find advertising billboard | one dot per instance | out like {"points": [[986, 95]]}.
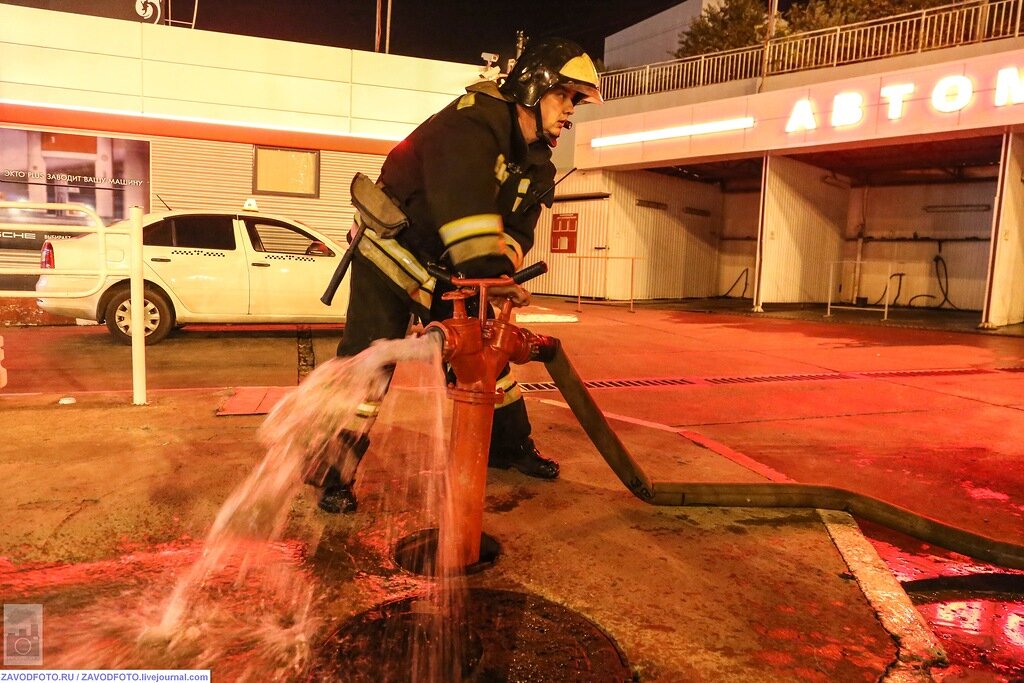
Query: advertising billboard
{"points": [[110, 175]]}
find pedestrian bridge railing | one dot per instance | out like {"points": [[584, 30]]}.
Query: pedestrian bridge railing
{"points": [[934, 28]]}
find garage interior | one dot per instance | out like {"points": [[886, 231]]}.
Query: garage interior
{"points": [[915, 222]]}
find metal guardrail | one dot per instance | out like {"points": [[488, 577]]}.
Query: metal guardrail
{"points": [[93, 224], [929, 29]]}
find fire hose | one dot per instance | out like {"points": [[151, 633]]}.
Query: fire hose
{"points": [[773, 495], [523, 346]]}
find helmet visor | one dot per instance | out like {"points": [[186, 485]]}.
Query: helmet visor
{"points": [[584, 92]]}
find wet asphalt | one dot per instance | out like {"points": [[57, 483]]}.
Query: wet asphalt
{"points": [[922, 418]]}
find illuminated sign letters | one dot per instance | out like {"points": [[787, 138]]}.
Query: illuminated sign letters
{"points": [[926, 104]]}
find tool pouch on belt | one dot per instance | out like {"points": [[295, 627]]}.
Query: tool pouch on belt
{"points": [[377, 210]]}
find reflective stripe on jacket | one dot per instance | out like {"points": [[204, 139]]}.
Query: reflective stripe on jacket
{"points": [[472, 189]]}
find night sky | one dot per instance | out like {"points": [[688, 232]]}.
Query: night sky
{"points": [[453, 30]]}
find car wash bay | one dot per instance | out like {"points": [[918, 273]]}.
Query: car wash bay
{"points": [[915, 208]]}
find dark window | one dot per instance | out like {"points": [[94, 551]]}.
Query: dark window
{"points": [[271, 236], [159, 234], [204, 232]]}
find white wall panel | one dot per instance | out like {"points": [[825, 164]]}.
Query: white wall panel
{"points": [[581, 182], [737, 246], [804, 219], [60, 68], [901, 236], [243, 53], [55, 96], [923, 278], [736, 263], [676, 246], [411, 73], [654, 39], [254, 115], [62, 59], [196, 174], [376, 103], [215, 85], [1006, 304], [941, 210], [86, 34], [568, 274]]}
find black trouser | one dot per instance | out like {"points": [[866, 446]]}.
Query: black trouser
{"points": [[376, 310]]}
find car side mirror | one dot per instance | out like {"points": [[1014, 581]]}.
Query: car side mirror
{"points": [[318, 249]]}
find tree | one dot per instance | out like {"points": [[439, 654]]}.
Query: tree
{"points": [[741, 23], [816, 14], [734, 23]]}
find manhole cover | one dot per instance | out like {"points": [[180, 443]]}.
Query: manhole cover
{"points": [[503, 636]]}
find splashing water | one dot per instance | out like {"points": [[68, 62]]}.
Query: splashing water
{"points": [[308, 422], [246, 607]]}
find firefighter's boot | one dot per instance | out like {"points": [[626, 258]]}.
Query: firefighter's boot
{"points": [[523, 457]]}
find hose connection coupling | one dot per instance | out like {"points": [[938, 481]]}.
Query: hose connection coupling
{"points": [[542, 347], [458, 337]]}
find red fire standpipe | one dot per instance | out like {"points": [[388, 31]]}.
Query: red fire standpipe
{"points": [[477, 349]]}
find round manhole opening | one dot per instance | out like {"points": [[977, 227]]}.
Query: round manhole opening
{"points": [[488, 635], [417, 553]]}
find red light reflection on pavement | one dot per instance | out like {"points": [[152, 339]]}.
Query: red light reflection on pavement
{"points": [[981, 630], [980, 634], [139, 567]]}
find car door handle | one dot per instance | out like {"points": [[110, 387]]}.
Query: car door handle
{"points": [[261, 265], [157, 259]]}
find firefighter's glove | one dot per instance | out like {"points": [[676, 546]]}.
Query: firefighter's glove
{"points": [[519, 296]]}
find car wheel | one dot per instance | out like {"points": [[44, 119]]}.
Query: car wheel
{"points": [[157, 316]]}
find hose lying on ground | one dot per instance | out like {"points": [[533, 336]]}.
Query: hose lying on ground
{"points": [[773, 495]]}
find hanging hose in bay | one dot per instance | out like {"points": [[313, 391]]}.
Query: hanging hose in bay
{"points": [[942, 277], [770, 495], [745, 275], [899, 288], [943, 286]]}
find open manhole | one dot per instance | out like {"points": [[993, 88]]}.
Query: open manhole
{"points": [[417, 553], [501, 636]]}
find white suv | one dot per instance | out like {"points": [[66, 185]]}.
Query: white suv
{"points": [[199, 267]]}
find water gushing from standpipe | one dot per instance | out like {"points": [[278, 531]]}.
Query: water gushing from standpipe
{"points": [[254, 517]]}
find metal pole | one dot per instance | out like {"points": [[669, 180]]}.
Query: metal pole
{"points": [[387, 34], [831, 281], [888, 292], [579, 283], [773, 8], [138, 328], [376, 31], [632, 267]]}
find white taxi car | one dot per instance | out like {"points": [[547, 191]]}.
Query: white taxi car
{"points": [[199, 267]]}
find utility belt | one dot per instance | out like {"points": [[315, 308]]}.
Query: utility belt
{"points": [[376, 212], [379, 220]]}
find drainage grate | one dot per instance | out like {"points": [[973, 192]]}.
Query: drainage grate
{"points": [[527, 387], [775, 378], [926, 373]]}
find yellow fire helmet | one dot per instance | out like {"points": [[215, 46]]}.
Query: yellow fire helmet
{"points": [[549, 62]]}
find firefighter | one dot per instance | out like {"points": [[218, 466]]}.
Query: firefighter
{"points": [[471, 181]]}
